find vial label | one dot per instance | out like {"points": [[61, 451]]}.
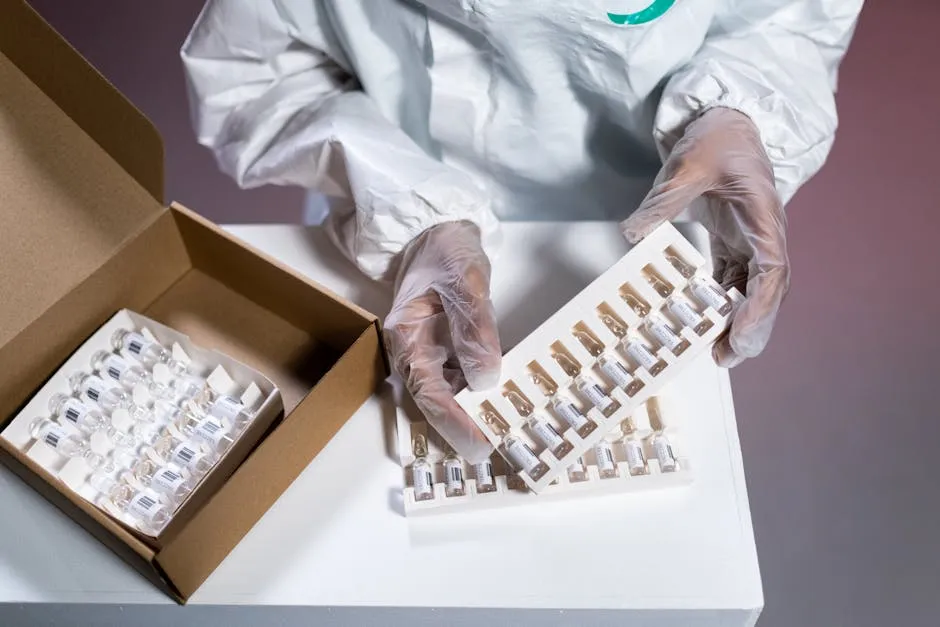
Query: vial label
{"points": [[424, 483], [226, 407], [681, 308], [74, 411], [635, 459], [595, 394], [570, 413], [185, 455], [114, 366], [484, 474], [144, 506], [522, 455], [94, 388], [136, 344], [663, 334], [209, 430], [604, 455], [167, 480], [708, 294], [616, 371], [664, 453], [52, 435], [453, 475], [641, 354], [546, 433]]}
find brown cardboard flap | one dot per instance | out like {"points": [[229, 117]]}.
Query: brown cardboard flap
{"points": [[66, 205], [83, 94]]}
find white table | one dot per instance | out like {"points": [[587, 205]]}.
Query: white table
{"points": [[336, 547]]}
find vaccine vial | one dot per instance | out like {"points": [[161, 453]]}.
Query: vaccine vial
{"points": [[662, 287], [548, 436], [682, 309], [710, 294], [107, 396], [71, 410], [172, 447], [110, 366], [453, 475], [421, 473], [568, 412], [54, 435], [170, 482], [664, 455], [639, 306], [206, 429], [577, 472], [619, 374], [524, 458], [227, 409], [642, 355], [664, 334], [483, 473], [606, 466], [591, 390], [147, 352], [633, 449], [144, 507]]}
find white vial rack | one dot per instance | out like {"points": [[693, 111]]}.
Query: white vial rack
{"points": [[623, 472], [137, 417], [601, 356]]}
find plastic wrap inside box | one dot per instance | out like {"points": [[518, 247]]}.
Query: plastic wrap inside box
{"points": [[601, 356], [225, 376], [507, 490]]}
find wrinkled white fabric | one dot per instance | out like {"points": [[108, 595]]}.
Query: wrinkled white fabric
{"points": [[413, 113]]}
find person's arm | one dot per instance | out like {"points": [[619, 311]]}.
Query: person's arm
{"points": [[272, 99], [775, 61], [744, 124]]}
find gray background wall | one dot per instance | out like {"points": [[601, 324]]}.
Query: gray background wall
{"points": [[839, 419]]}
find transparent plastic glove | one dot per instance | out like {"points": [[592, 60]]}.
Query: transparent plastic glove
{"points": [[441, 331], [721, 157]]}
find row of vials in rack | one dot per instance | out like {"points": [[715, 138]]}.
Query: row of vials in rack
{"points": [[554, 400], [147, 442], [634, 457]]}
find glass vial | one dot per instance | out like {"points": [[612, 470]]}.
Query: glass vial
{"points": [[606, 465], [54, 435], [577, 472], [483, 473], [110, 366], [683, 310], [710, 294], [147, 352], [229, 410], [662, 287], [664, 334], [209, 430], [107, 396], [664, 454], [453, 475], [643, 356], [170, 482], [633, 449], [524, 458], [589, 388], [548, 436], [619, 374], [568, 412], [144, 507], [73, 411], [172, 447], [421, 472]]}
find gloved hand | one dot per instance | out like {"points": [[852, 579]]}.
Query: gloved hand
{"points": [[441, 331], [721, 157]]}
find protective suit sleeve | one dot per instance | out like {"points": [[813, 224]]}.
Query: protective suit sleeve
{"points": [[273, 104], [775, 61]]}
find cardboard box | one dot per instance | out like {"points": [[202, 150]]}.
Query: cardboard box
{"points": [[86, 234]]}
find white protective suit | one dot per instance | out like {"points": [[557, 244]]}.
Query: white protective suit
{"points": [[410, 113]]}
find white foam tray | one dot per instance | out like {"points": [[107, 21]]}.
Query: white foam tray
{"points": [[511, 491], [225, 376], [583, 309]]}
